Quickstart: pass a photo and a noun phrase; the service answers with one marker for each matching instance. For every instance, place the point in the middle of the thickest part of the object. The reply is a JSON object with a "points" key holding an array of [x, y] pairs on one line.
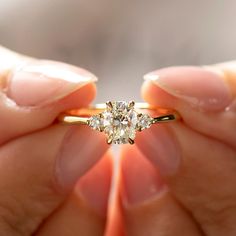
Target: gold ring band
{"points": [[119, 120]]}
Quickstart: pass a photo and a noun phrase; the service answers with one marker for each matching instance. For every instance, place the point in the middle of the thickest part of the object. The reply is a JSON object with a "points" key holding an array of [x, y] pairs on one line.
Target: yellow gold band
{"points": [[81, 116], [118, 120]]}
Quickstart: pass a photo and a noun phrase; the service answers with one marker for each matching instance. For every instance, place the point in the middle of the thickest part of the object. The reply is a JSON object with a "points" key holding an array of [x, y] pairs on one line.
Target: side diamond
{"points": [[120, 122], [144, 122], [96, 123]]}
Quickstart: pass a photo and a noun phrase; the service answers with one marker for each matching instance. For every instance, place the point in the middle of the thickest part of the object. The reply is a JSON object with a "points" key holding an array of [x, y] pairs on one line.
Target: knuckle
{"points": [[8, 221], [12, 217], [219, 214], [21, 215]]}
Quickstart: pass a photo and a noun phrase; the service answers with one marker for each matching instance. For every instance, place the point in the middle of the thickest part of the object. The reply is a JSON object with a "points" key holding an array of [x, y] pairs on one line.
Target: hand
{"points": [[190, 187], [40, 161]]}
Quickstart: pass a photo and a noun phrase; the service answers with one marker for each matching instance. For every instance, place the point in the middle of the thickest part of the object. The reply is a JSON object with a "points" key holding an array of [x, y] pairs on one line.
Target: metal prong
{"points": [[139, 129], [131, 104], [109, 105], [101, 129], [109, 140], [131, 141], [140, 115]]}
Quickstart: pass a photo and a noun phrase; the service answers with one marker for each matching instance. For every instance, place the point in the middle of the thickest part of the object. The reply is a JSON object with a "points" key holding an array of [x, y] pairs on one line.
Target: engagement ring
{"points": [[118, 120]]}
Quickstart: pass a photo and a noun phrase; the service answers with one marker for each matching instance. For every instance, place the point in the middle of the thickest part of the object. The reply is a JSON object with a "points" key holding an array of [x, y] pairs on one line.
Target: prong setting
{"points": [[131, 141], [120, 122], [109, 105], [131, 105], [109, 140]]}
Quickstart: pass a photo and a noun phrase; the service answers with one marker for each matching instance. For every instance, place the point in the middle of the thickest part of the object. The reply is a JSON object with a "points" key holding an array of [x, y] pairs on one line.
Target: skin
{"points": [[197, 197], [34, 201]]}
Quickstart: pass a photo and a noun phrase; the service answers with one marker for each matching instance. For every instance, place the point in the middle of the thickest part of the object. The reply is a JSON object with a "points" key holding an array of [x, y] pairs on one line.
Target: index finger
{"points": [[33, 92]]}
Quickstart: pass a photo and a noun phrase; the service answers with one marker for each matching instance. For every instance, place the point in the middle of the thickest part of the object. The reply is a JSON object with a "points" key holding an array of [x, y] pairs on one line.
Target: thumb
{"points": [[39, 163]]}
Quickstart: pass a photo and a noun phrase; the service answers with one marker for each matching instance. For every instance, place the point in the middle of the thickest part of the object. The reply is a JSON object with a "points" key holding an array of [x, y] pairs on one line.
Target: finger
{"points": [[85, 211], [198, 165], [36, 90], [205, 97], [37, 172], [148, 207]]}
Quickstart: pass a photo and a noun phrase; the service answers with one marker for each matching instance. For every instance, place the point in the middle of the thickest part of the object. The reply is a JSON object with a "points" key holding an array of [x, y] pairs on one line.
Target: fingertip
{"points": [[94, 186], [141, 181], [156, 96], [85, 211], [144, 89], [80, 150], [199, 87], [81, 97]]}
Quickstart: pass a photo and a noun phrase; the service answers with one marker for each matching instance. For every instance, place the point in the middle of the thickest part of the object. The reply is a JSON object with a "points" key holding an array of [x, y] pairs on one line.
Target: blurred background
{"points": [[121, 40]]}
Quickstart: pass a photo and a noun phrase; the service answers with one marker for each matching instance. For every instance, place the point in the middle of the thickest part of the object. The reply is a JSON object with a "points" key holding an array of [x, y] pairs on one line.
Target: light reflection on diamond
{"points": [[120, 122]]}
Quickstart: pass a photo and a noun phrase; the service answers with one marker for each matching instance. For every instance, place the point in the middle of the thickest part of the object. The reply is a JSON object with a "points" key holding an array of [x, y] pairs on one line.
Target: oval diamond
{"points": [[120, 122]]}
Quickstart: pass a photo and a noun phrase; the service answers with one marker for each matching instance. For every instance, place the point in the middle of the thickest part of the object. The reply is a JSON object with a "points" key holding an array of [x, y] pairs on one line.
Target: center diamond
{"points": [[120, 121]]}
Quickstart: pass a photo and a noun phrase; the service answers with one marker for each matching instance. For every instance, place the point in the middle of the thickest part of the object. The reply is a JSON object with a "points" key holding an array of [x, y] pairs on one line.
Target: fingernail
{"points": [[44, 82], [159, 146], [80, 150], [94, 187], [141, 181], [200, 87]]}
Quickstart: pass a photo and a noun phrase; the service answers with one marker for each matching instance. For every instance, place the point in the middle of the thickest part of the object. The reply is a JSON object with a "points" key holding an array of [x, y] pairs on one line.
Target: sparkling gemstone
{"points": [[144, 121], [120, 122], [96, 122], [119, 106]]}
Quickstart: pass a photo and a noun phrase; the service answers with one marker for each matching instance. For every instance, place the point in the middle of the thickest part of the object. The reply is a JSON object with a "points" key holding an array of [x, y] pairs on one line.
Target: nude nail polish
{"points": [[80, 149], [44, 82], [94, 187], [141, 181], [200, 87], [161, 148]]}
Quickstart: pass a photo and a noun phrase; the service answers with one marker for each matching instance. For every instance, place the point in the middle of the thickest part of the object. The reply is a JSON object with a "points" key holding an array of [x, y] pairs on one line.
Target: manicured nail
{"points": [[43, 82], [161, 148], [141, 181], [94, 187], [201, 87], [80, 149]]}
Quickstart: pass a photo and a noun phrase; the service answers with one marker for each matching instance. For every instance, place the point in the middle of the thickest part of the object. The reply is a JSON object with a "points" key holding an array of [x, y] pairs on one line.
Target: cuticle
{"points": [[132, 206]]}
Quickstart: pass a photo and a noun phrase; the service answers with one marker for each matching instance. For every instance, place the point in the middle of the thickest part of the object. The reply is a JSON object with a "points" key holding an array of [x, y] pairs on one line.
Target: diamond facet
{"points": [[120, 121], [144, 122], [95, 122]]}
